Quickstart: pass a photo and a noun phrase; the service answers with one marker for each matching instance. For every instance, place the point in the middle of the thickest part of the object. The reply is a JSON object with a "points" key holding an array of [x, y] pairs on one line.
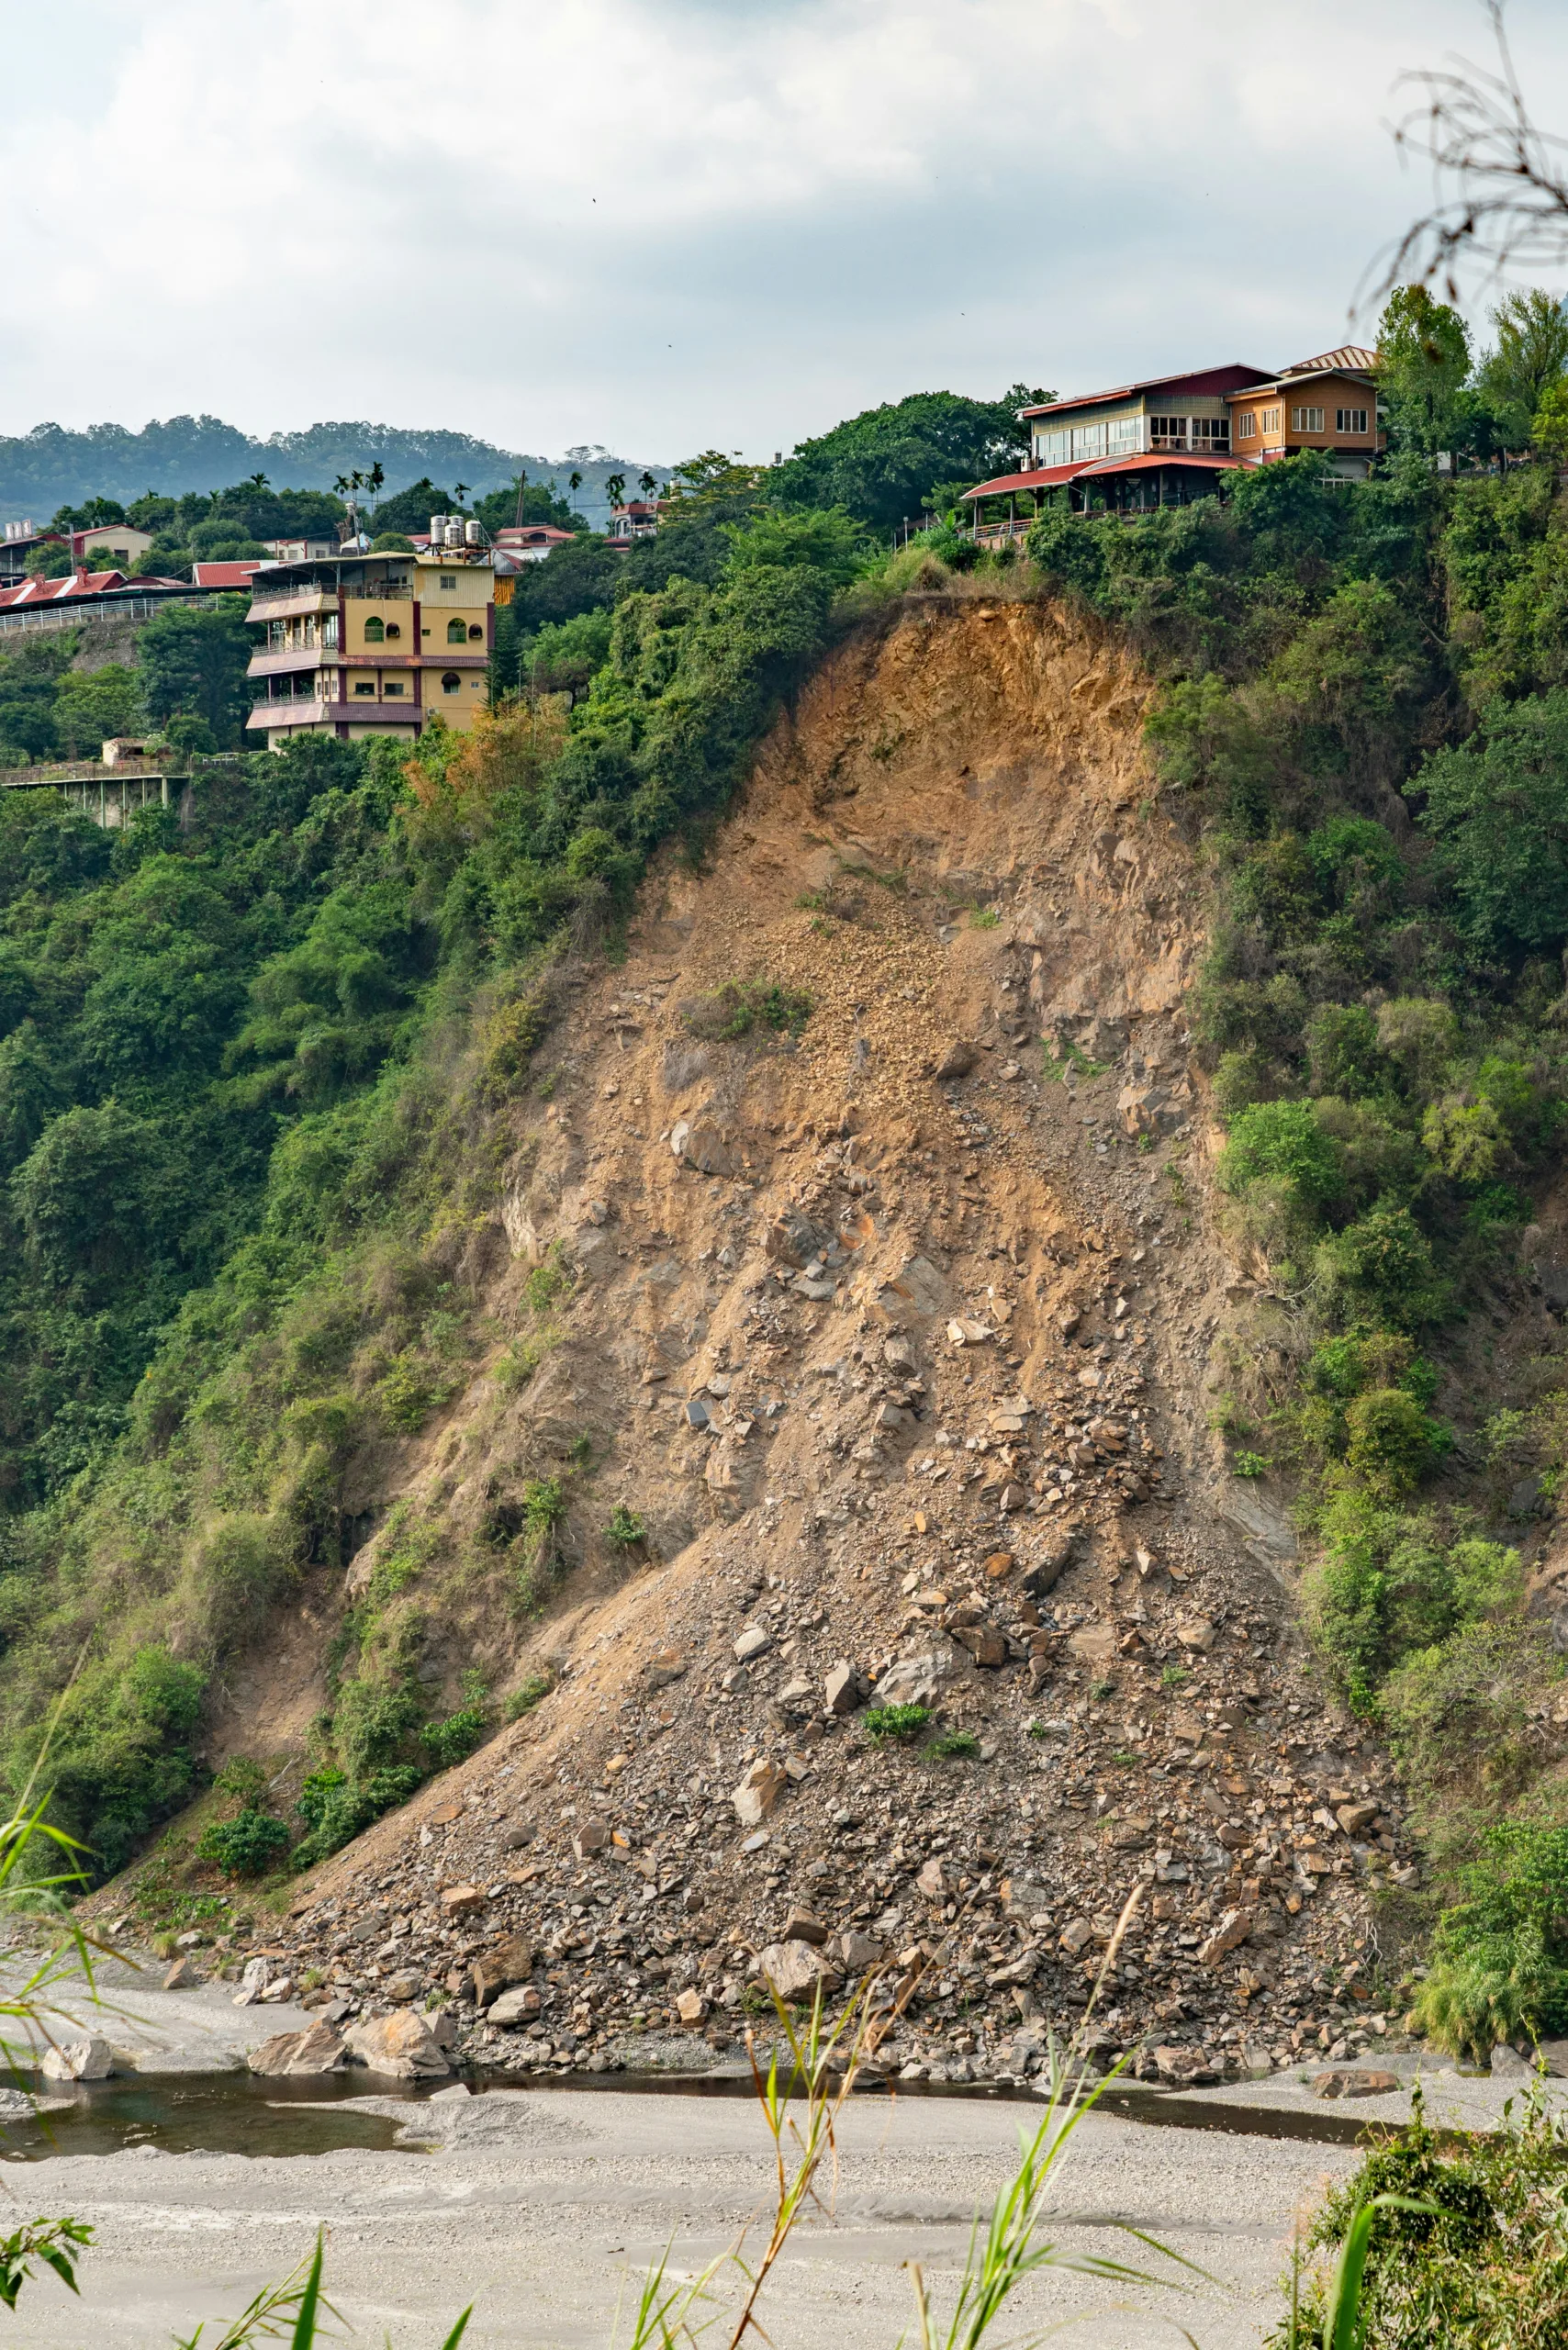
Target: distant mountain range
{"points": [[50, 468]]}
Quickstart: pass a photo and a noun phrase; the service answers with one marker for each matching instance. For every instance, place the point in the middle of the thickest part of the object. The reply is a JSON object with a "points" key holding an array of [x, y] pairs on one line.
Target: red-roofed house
{"points": [[1170, 439]]}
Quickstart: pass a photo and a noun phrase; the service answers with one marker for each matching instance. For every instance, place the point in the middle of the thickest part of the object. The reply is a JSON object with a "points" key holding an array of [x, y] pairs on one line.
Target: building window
{"points": [[1307, 419], [394, 686], [394, 627], [1350, 420], [1211, 431], [475, 633], [329, 629], [450, 682], [1270, 420], [368, 692], [457, 631], [449, 579], [374, 630], [1168, 432], [1246, 426]]}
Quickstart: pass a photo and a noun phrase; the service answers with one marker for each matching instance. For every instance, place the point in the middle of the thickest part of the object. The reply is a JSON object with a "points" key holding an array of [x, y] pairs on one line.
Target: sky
{"points": [[669, 225]]}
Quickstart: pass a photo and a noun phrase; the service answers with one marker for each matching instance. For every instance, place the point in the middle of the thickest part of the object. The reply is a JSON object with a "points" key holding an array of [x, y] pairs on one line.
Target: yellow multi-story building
{"points": [[360, 645]]}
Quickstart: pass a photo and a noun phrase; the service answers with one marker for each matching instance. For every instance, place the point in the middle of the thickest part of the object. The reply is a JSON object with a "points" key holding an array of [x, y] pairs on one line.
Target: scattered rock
{"points": [[1341, 2083], [957, 1061], [521, 2005], [758, 1793], [794, 1969], [1233, 1930], [497, 1969], [841, 1690], [691, 2006], [753, 1642], [913, 1679], [181, 1977], [460, 1900]]}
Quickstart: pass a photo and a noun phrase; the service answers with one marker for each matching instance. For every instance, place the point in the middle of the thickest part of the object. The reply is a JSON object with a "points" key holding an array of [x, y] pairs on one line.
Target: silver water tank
{"points": [[473, 535], [453, 535], [438, 524]]}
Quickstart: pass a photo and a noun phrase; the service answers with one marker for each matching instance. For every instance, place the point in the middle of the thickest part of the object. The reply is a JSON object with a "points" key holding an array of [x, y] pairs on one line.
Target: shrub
{"points": [[411, 1390], [245, 1845], [243, 1778], [454, 1740], [527, 1694], [1465, 2242], [1500, 1966], [1391, 1441], [1282, 1142], [899, 1724], [734, 1009], [625, 1529], [956, 1745]]}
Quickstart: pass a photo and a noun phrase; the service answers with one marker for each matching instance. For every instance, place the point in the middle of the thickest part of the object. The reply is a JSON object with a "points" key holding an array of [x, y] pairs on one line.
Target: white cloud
{"points": [[660, 223]]}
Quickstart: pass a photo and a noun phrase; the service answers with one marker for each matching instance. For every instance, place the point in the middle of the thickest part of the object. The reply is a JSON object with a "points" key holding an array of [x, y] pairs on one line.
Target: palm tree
{"points": [[647, 483], [460, 490], [615, 489], [257, 481], [522, 486], [374, 478], [574, 483]]}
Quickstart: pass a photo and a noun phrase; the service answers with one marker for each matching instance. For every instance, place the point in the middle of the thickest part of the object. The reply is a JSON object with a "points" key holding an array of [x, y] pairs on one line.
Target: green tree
{"points": [[881, 464], [1424, 362], [1530, 359], [92, 705], [1499, 808], [194, 662]]}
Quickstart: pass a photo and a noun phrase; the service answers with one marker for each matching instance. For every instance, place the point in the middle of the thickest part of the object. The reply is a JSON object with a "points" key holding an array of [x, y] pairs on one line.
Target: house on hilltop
{"points": [[1169, 440]]}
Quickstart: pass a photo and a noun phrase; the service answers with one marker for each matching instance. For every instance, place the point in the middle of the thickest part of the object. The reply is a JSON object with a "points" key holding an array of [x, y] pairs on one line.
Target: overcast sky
{"points": [[671, 224]]}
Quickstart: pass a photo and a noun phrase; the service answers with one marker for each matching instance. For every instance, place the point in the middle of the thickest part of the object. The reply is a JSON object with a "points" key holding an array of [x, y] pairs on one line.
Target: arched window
{"points": [[452, 683], [374, 630], [393, 628], [456, 632], [475, 635]]}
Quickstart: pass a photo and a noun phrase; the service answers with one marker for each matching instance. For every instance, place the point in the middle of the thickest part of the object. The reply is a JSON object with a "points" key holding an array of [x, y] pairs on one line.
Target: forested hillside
{"points": [[254, 1074]]}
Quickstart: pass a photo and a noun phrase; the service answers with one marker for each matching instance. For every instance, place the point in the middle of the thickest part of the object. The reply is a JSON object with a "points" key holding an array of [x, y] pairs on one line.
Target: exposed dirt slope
{"points": [[893, 1338]]}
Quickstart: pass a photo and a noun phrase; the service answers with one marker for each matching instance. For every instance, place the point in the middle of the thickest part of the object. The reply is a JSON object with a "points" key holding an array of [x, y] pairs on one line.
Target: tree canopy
{"points": [[882, 465]]}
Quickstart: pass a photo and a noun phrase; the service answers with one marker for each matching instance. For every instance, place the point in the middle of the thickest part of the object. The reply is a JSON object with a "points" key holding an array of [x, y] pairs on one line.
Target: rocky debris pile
{"points": [[891, 1334], [1096, 1720]]}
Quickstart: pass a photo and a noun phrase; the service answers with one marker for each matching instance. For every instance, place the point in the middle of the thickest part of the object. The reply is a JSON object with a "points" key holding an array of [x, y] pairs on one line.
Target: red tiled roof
{"points": [[1201, 381], [1052, 477], [225, 575], [61, 591]]}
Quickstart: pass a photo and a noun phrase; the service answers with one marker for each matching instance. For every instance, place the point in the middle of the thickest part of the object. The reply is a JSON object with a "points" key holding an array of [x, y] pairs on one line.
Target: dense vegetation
{"points": [[251, 1076]]}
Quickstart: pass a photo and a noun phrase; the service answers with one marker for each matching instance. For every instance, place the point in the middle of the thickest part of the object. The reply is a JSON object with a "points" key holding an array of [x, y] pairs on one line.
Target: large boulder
{"points": [[402, 2047], [86, 2059], [290, 2054]]}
